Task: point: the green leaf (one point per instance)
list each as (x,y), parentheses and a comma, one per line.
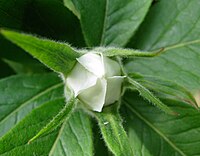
(46,18)
(62,116)
(179,34)
(156,133)
(113,132)
(21,94)
(69,4)
(127,52)
(99,145)
(7,71)
(110,23)
(25,68)
(148,95)
(71,138)
(17,59)
(165,88)
(76,138)
(58,56)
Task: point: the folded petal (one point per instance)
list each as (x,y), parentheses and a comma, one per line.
(93,63)
(111,67)
(113,89)
(80,79)
(94,96)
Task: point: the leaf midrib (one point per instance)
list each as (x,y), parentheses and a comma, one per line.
(42,49)
(169,25)
(59,135)
(30,100)
(178,45)
(57,139)
(171,143)
(114,128)
(104,24)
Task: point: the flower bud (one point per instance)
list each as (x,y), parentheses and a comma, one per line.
(96,81)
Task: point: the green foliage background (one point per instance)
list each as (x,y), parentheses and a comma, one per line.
(31,95)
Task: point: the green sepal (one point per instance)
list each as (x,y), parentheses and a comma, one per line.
(148,95)
(59,57)
(166,88)
(62,116)
(114,135)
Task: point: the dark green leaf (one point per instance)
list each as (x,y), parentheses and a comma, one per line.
(20,94)
(165,88)
(148,95)
(15,55)
(70,139)
(99,145)
(179,34)
(127,52)
(26,68)
(156,133)
(76,137)
(110,22)
(61,117)
(69,4)
(57,56)
(113,132)
(46,18)
(7,71)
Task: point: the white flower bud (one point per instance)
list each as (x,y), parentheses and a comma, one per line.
(96,80)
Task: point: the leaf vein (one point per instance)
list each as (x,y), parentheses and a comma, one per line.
(30,100)
(169,25)
(155,129)
(104,24)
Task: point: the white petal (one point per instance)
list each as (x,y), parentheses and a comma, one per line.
(94,96)
(80,79)
(111,67)
(93,63)
(113,89)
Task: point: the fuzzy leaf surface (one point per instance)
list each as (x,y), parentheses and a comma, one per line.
(58,56)
(149,96)
(57,120)
(19,95)
(174,26)
(165,88)
(108,22)
(45,18)
(71,138)
(152,129)
(114,135)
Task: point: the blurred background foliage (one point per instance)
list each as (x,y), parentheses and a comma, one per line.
(46,18)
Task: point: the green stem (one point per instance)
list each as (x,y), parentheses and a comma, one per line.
(114,135)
